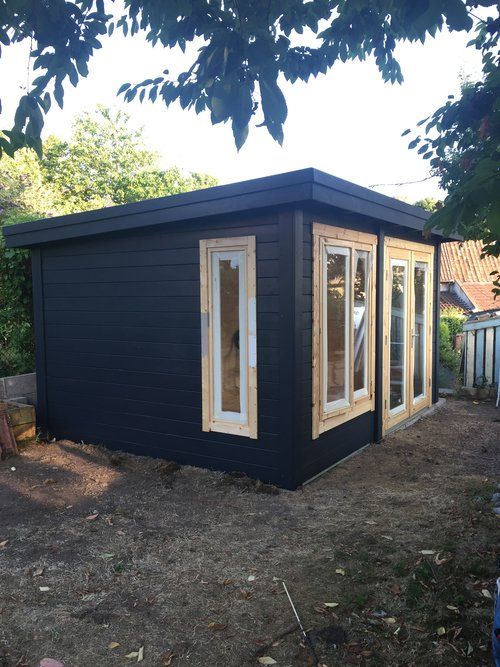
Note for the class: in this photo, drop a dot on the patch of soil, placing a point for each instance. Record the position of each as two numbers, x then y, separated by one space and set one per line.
102 553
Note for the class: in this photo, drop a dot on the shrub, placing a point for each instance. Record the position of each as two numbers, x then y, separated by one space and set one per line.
448 356
17 349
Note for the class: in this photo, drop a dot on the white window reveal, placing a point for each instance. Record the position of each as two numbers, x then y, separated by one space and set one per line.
229 356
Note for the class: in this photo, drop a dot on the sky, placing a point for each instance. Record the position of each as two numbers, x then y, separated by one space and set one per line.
348 122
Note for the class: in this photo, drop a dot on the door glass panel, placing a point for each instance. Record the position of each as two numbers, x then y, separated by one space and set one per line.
361 258
419 329
397 374
229 347
337 329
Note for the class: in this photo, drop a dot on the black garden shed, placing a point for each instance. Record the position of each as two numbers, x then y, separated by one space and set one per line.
273 326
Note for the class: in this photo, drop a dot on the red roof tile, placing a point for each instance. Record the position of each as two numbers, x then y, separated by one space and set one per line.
481 295
450 300
461 262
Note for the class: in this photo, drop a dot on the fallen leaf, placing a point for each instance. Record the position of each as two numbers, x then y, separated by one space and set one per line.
140 656
38 572
113 645
109 520
251 577
92 517
389 620
44 589
441 561
246 595
4 544
166 660
217 626
371 523
132 655
386 537
267 660
427 552
441 631
49 480
476 402
451 607
340 570
228 582
395 589
108 556
485 593
331 604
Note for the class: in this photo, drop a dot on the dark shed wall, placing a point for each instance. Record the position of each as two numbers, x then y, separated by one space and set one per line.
121 325
337 443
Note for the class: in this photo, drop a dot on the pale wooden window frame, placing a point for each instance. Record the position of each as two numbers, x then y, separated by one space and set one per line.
326 235
413 252
210 422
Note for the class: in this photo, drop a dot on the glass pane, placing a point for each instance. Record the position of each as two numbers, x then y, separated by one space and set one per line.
419 330
397 389
360 319
337 299
229 274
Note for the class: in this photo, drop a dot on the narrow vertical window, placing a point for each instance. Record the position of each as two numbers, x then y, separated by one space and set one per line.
229 387
419 333
361 287
343 325
399 323
336 285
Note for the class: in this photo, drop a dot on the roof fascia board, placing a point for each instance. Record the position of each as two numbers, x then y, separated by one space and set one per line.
118 219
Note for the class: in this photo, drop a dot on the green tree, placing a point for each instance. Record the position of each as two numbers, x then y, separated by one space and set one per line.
429 204
103 163
462 142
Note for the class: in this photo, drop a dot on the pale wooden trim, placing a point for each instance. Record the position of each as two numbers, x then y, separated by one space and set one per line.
209 422
412 253
206 337
252 337
343 234
337 236
416 246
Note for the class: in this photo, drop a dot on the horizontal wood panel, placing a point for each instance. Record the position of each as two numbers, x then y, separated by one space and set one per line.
267 338
144 349
170 320
209 451
154 239
167 365
135 258
158 397
265 286
117 399
141 304
140 274
177 422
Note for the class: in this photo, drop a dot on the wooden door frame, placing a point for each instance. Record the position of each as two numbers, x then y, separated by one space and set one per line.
411 252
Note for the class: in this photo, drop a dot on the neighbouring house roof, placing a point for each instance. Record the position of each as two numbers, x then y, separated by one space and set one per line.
481 295
296 188
461 262
450 299
463 267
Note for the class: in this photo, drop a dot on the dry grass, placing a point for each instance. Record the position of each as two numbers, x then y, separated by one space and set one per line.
187 563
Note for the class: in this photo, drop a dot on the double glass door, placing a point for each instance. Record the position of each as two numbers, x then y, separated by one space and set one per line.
407 329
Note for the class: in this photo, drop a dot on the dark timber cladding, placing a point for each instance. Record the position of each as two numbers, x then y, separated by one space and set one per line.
117 318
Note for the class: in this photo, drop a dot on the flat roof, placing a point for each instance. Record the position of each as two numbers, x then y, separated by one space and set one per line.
292 188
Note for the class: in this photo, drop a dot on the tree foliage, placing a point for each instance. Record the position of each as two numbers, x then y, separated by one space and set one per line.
247 49
462 142
104 162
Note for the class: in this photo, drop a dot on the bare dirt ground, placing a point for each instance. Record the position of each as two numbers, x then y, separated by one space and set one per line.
104 555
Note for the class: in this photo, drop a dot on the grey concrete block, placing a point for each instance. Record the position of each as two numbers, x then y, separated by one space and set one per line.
19 386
